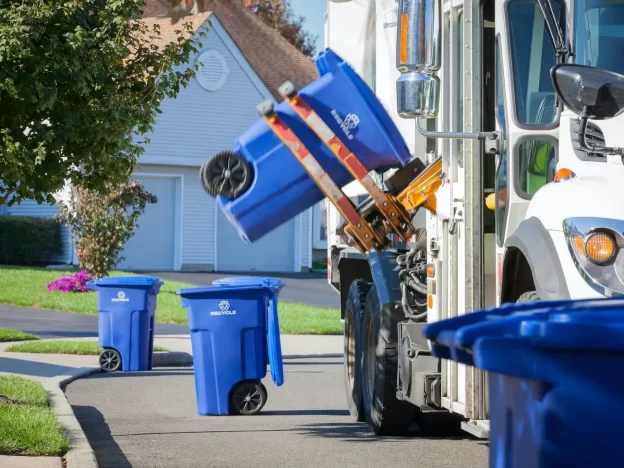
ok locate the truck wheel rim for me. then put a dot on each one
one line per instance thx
(370, 357)
(351, 353)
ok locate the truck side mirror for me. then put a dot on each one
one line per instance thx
(418, 58)
(588, 91)
(591, 93)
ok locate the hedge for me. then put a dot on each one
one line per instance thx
(29, 241)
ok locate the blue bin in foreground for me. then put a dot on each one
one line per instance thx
(231, 346)
(273, 336)
(126, 309)
(281, 188)
(555, 379)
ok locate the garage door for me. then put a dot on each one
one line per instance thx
(153, 245)
(274, 252)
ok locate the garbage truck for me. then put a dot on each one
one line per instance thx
(505, 93)
(471, 156)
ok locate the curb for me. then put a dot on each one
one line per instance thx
(182, 359)
(80, 455)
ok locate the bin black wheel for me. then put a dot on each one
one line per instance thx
(110, 360)
(248, 398)
(226, 174)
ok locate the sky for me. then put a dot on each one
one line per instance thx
(314, 13)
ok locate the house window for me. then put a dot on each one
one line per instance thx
(319, 225)
(213, 70)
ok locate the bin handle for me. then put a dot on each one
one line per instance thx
(275, 351)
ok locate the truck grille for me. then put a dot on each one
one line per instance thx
(593, 136)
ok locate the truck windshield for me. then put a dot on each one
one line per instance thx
(599, 33)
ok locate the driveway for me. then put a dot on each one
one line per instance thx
(149, 419)
(304, 288)
(54, 324)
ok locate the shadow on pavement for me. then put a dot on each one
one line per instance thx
(320, 412)
(312, 363)
(152, 373)
(107, 452)
(360, 432)
(31, 368)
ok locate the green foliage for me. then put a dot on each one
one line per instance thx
(80, 82)
(28, 241)
(101, 223)
(29, 426)
(279, 15)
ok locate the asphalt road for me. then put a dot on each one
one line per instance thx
(53, 324)
(145, 420)
(304, 288)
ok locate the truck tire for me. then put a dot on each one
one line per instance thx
(529, 296)
(385, 414)
(354, 309)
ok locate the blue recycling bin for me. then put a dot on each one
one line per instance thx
(273, 330)
(281, 188)
(554, 379)
(126, 309)
(231, 347)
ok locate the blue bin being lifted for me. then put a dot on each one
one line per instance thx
(126, 309)
(554, 379)
(273, 330)
(280, 187)
(228, 325)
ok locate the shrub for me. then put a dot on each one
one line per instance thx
(73, 283)
(101, 223)
(29, 241)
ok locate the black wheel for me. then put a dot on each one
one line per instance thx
(226, 174)
(354, 310)
(248, 398)
(110, 360)
(385, 414)
(529, 296)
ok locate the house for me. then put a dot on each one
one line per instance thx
(244, 62)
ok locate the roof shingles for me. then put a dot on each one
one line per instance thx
(273, 58)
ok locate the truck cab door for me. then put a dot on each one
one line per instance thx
(526, 116)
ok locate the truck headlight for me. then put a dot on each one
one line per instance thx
(596, 248)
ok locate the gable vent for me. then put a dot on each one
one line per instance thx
(593, 136)
(213, 70)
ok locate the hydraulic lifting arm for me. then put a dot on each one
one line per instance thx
(367, 228)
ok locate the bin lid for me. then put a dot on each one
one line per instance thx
(244, 280)
(220, 289)
(591, 324)
(120, 281)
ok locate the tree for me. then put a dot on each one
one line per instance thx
(80, 82)
(101, 224)
(279, 15)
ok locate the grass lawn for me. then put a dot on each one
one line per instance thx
(27, 287)
(85, 348)
(8, 334)
(29, 426)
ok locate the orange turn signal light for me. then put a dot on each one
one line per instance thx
(430, 270)
(600, 247)
(564, 174)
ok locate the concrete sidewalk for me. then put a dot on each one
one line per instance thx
(49, 369)
(293, 346)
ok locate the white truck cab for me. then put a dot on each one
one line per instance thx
(530, 207)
